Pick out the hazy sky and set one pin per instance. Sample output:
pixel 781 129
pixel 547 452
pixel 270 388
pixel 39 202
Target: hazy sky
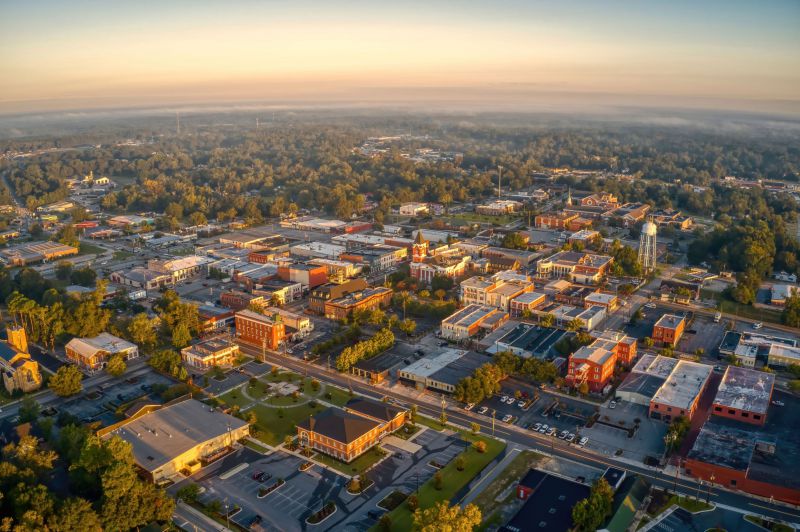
pixel 79 53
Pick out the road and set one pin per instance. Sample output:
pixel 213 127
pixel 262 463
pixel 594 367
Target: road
pixel 513 434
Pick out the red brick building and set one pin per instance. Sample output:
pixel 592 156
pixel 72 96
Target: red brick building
pixel 669 329
pixel 369 299
pixel 308 275
pixel 256 328
pixel 593 365
pixel 744 395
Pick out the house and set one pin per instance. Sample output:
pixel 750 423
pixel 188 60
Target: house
pixel 178 439
pixel 92 354
pixel 346 434
pixel 211 352
pixel 260 329
pixel 669 329
pixel 20 371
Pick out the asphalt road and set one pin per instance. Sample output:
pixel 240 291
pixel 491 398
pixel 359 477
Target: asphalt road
pixel 549 445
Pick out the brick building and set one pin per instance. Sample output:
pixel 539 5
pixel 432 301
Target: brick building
pixel 326 292
pixel 368 299
pixel 260 329
pixel 669 329
pixel 744 395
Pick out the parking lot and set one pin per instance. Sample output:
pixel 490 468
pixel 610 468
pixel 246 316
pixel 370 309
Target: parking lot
pixel 703 334
pixel 303 493
pixel 234 377
pixel 610 434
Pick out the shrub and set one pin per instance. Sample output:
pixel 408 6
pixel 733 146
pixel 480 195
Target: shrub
pixel 480 446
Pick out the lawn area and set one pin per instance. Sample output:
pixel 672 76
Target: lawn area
pixel 122 255
pixel 729 306
pixel 255 446
pixel 272 429
pixel 662 500
pixel 453 479
pixel 515 470
pixel 338 396
pixel 407 431
pixel 357 466
pixel 769 525
pixel 87 249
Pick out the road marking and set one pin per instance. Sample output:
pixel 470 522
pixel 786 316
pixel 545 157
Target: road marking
pixel 229 473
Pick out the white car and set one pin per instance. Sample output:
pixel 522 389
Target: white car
pixel 469 406
pixel 537 426
pixel 583 441
pixel 570 438
pixel 552 431
pixel 521 404
pixel 507 418
pixel 510 401
pixel 778 403
pixel 612 405
pixel 563 434
pixel 483 410
pixel 504 398
pixel 757 325
pixel 544 429
pixel 650 305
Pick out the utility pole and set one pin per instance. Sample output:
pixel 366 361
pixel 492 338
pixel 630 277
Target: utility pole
pixel 264 349
pixel 493 414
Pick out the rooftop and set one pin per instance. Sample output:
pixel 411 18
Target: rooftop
pixel 656 365
pixel 669 321
pixel 469 315
pixel 745 389
pixel 550 505
pixel 161 436
pixel 683 385
pixel 373 409
pixel 338 425
pixel 102 342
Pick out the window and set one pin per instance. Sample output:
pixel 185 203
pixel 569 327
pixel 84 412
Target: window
pixel 745 414
pixel 731 411
pixel 717 409
pixel 733 482
pixel 756 416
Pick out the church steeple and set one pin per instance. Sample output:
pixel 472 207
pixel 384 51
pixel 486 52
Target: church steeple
pixel 420 248
pixel 569 197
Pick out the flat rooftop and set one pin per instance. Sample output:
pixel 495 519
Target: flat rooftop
pixel 468 315
pixel 684 384
pixel 161 436
pixel 462 367
pixel 669 321
pixel 656 365
pixel 745 389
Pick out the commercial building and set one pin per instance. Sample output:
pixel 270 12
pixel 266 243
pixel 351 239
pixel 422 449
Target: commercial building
pixel 669 329
pixel 212 352
pixel 744 395
pixel 526 303
pixel 496 291
pixel 308 275
pixel 601 299
pixel 278 290
pixel 556 220
pixel 528 340
pixel 549 500
pixel 367 299
pixel 178 439
pixel 300 325
pixel 317 250
pixel 680 393
pixel 346 434
pixel 215 319
pixel 327 292
pixel 592 366
pixel 413 209
pixel 92 354
pixel 338 269
pixel 378 257
pixel 180 269
pixel 34 252
pixel 20 371
pixel 141 278
pixel 260 329
pixel 499 208
pixel 584 236
pixel 238 300
pixel 646 378
pixel 309 223
pixel 443 371
pixel 468 321
pixel 630 213
pixel 584 268
pixel 523 257
pixel 589 318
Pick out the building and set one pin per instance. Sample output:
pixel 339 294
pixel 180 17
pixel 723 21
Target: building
pixel 671 218
pixel 584 236
pixel 340 270
pixel 499 208
pixel 630 213
pixel 364 300
pixel 524 304
pixel 308 275
pixel 593 366
pixel 317 250
pixel 379 257
pixel 580 267
pixel 92 354
pixel 556 220
pixel 278 290
pixel 624 346
pixel 33 252
pixel 527 340
pixel 346 434
pixel 744 395
pixel 523 257
pixel 681 391
pixel 20 371
pixel 141 278
pixel 549 500
pixel 214 319
pixel 781 292
pixel 238 300
pixel 669 329
pixel 601 299
pixel 260 329
pixel 129 221
pixel 468 321
pixel 326 292
pixel 495 291
pixel 600 199
pixel 646 378
pixel 178 439
pixel 443 371
pixel 300 325
pixel 413 209
pixel 182 269
pixel 444 261
pixel 209 353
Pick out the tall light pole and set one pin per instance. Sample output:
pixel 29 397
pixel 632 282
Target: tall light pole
pixel 708 493
pixel 499 177
pixel 494 412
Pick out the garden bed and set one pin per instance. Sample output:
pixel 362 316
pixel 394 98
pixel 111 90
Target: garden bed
pixel 263 492
pixel 325 512
pixel 393 500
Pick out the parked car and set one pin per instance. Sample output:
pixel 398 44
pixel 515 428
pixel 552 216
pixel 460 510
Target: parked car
pixel 444 344
pixel 612 405
pixel 544 428
pixel 469 406
pixel 507 418
pixel 259 476
pixel 563 434
pixel 757 325
pixel 504 399
pixel 583 441
pixel 521 404
pixel 650 305
pixel 717 317
pixel 483 410
pixel 537 426
pixel 570 438
pixel 552 431
pixel 778 403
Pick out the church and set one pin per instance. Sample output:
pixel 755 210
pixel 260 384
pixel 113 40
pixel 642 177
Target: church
pixel 20 372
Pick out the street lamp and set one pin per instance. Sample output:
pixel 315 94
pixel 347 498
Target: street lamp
pixel 708 493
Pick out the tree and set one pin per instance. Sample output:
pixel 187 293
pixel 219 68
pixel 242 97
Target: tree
pixel 116 365
pixel 354 486
pixel 590 513
pixel 438 480
pixel 583 388
pixel 142 332
pixel 66 381
pixel 63 270
pixel 75 514
pixel 791 311
pixel 460 463
pixel 29 409
pixel 444 518
pixel 408 326
pixel 475 427
pixel 547 320
pixel 514 240
pixel 574 324
pixel 68 236
pixel 480 446
pixel 84 277
pixel 412 502
pixel 443 419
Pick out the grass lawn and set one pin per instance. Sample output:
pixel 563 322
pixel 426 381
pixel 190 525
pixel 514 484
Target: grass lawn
pixel 407 431
pixel 769 525
pixel 272 429
pixel 255 446
pixel 453 479
pixel 428 422
pixel 661 501
pixel 87 249
pixel 122 255
pixel 235 398
pixel 515 470
pixel 357 466
pixel 338 396
pixel 737 309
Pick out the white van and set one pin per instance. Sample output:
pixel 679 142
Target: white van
pixel 717 317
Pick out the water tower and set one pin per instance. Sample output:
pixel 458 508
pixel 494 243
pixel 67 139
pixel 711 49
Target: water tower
pixel 647 246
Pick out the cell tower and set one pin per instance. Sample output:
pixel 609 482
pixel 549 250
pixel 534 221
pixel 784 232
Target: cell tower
pixel 647 246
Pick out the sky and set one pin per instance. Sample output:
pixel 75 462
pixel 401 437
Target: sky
pixel 82 54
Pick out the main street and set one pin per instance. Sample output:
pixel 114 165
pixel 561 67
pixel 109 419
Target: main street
pixel 548 445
